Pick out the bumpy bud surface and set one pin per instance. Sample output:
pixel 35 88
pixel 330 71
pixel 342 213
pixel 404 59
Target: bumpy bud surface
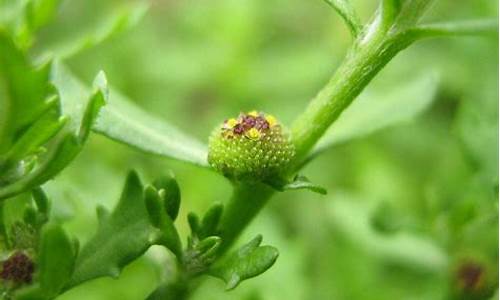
pixel 253 146
pixel 18 268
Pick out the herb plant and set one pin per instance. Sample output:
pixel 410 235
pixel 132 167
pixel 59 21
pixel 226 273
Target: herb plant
pixel 47 115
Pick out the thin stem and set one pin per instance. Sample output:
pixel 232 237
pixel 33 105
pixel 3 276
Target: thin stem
pixel 459 28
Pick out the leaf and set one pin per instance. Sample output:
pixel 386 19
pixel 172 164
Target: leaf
pixel 375 111
pixel 56 258
pixel 40 12
pixel 167 236
pixel 169 291
pixel 170 192
pixel 352 220
pixel 124 234
pixel 210 222
pixel 345 9
pixel 249 261
pixel 34 121
pixel 299 182
pixel 125 122
pixel 27 89
pixel 64 150
pixel 123 20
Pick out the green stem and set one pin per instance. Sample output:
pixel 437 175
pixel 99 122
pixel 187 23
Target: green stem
pixel 247 200
pixel 370 53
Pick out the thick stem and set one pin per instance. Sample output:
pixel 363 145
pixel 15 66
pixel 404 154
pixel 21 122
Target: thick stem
pixel 365 59
pixel 247 200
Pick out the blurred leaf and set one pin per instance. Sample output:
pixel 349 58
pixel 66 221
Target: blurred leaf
pixel 125 234
pixel 375 111
pixel 352 219
pixel 115 24
pixel 249 261
pixel 40 12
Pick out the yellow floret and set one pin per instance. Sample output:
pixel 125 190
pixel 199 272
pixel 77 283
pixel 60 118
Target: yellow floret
pixel 253 134
pixel 253 113
pixel 271 120
pixel 231 123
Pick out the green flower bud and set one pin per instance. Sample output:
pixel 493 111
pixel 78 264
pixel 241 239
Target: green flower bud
pixel 254 146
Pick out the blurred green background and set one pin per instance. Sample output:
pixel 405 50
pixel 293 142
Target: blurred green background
pixel 412 210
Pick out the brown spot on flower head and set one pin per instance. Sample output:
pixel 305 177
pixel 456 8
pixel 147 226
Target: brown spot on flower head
pixel 18 268
pixel 238 129
pixel 470 276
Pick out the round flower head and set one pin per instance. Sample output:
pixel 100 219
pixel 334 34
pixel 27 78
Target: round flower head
pixel 253 146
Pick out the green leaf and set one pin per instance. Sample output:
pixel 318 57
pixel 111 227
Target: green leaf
pixel 345 9
pixel 167 235
pixel 299 182
pixel 125 122
pixel 56 258
pixel 377 110
pixel 40 12
pixel 123 20
pixel 169 291
pixel 210 222
pixel 249 261
pixel 352 219
pixel 126 233
pixel 27 88
pixel 169 189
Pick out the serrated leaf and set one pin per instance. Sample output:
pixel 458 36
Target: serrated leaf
pixel 375 111
pixel 124 234
pixel 249 261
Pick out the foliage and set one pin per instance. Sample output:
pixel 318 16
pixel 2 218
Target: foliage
pixel 446 231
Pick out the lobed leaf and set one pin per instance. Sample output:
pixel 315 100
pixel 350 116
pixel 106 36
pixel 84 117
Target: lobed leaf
pixel 249 261
pixel 138 221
